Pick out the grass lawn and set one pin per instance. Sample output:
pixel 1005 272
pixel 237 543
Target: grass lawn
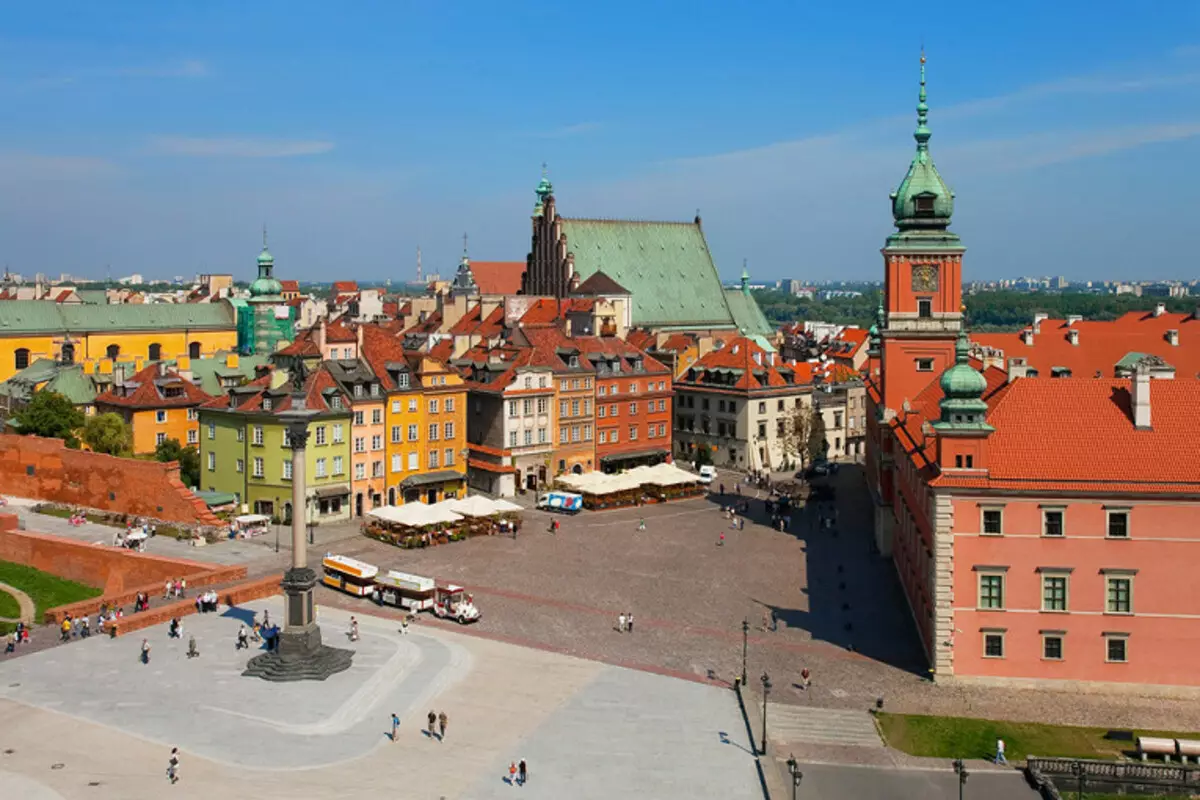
pixel 9 607
pixel 46 590
pixel 962 737
pixel 65 513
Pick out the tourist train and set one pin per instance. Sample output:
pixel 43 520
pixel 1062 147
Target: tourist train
pixel 399 589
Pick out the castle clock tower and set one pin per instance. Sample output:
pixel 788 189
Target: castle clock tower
pixel 922 278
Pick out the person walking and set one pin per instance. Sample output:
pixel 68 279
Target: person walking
pixel 621 623
pixel 404 625
pixel 512 773
pixel 628 624
pixel 353 629
pixel 432 722
pixel 167 589
pixel 641 524
pixel 395 726
pixel 722 489
pixel 442 720
pixel 1000 759
pixel 145 651
pixel 721 541
pixel 192 652
pixel 173 766
pixel 805 678
pixel 522 772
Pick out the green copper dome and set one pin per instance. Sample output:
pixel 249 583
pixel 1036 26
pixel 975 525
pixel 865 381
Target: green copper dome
pixel 923 200
pixel 265 284
pixel 962 381
pixel 265 257
pixel 544 189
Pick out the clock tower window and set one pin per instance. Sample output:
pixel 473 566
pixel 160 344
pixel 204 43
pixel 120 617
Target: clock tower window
pixel 923 205
pixel 924 307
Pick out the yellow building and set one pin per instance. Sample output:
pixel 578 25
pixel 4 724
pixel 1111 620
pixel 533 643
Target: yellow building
pixel 426 420
pixel 158 404
pixel 32 329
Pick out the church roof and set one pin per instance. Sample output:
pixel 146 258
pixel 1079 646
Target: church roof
pixel 748 317
pixel 599 283
pixel 665 266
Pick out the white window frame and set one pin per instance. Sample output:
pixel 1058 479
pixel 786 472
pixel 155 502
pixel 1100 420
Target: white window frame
pixel 1056 574
pixel 988 632
pixel 1062 644
pixel 983 531
pixel 256 436
pixel 212 461
pixel 1109 637
pixel 259 467
pixel 414 461
pixel 1108 515
pixel 1111 575
pixel 1062 524
pixel 990 572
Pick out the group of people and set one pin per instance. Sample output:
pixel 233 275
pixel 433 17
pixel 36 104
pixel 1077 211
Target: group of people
pixel 18 636
pixel 77 518
pixel 174 587
pixel 206 601
pixel 506 526
pixel 625 623
pixel 75 627
pixel 518 773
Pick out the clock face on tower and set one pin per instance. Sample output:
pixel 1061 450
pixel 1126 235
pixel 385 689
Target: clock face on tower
pixel 924 278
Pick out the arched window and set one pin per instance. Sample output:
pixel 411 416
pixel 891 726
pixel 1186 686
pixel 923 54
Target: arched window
pixel 155 352
pixel 194 350
pixel 21 356
pixel 68 353
pixel 112 351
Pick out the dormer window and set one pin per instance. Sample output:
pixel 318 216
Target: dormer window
pixel 358 390
pixel 336 402
pixel 268 404
pixel 924 205
pixel 374 390
pixel 574 361
pixel 402 380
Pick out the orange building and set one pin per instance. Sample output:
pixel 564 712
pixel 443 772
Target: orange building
pixel 634 394
pixel 159 404
pixel 1042 527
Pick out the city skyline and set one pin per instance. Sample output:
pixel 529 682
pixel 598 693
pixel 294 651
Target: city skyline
pixel 159 141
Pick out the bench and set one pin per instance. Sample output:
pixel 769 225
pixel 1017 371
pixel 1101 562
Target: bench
pixel 1188 748
pixel 1154 746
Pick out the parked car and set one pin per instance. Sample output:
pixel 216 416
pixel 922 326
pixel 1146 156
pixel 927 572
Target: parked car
pixel 707 473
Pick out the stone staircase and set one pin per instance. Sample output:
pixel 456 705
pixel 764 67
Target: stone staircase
pixel 828 726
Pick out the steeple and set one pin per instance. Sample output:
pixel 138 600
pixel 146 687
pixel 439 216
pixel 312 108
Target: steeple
pixel 544 189
pixel 464 279
pixel 923 201
pixel 962 404
pixel 874 335
pixel 745 278
pixel 265 285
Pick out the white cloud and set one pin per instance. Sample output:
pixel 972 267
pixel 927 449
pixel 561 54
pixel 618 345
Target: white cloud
pixel 238 147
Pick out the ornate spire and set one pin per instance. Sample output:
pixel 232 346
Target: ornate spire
pixel 745 278
pixel 922 133
pixel 963 386
pixel 544 189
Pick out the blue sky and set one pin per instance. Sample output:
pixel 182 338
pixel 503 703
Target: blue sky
pixel 158 137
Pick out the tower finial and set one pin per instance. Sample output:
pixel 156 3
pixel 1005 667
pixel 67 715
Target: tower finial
pixel 543 169
pixel 922 132
pixel 264 236
pixel 464 245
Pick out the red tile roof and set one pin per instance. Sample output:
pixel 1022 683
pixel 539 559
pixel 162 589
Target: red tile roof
pixel 678 342
pixel 319 385
pixel 641 338
pixel 337 332
pixel 290 286
pixel 498 277
pixel 753 366
pixel 147 389
pixel 430 325
pixel 345 287
pixel 1103 343
pixel 443 350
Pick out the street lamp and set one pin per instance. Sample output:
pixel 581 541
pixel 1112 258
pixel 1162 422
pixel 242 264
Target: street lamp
pixel 796 774
pixel 766 684
pixel 961 770
pixel 745 634
pixel 1077 771
pixel 277 518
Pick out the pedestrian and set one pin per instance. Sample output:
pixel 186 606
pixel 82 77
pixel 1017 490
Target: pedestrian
pixel 621 623
pixel 183 587
pixel 805 678
pixel 641 524
pixel 722 488
pixel 353 629
pixel 1000 759
pixel 167 589
pixel 145 651
pixel 512 773
pixel 173 765
pixel 404 625
pixel 737 488
pixel 766 626
pixel 395 726
pixel 442 719
pixel 522 772
pixel 66 629
pixel 192 652
pixel 721 541
pixel 243 638
pixel 629 622
pixel 432 722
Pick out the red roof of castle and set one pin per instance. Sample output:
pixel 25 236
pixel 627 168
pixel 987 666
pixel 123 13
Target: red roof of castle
pixel 754 364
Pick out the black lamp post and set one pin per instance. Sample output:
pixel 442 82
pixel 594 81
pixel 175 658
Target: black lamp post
pixel 1077 771
pixel 796 774
pixel 277 517
pixel 960 769
pixel 766 684
pixel 745 634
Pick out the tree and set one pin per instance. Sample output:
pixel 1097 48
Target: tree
pixel 108 433
pixel 51 415
pixel 703 455
pixel 188 458
pixel 817 445
pixel 797 433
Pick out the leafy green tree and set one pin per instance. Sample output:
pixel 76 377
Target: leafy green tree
pixel 108 433
pixel 51 415
pixel 188 458
pixel 703 455
pixel 817 445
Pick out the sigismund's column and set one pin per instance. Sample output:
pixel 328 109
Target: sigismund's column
pixel 299 655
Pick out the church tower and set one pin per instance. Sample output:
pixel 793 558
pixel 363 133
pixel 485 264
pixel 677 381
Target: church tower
pixel 266 301
pixel 922 278
pixel 549 268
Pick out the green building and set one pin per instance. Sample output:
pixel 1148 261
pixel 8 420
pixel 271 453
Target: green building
pixel 244 448
pixel 265 320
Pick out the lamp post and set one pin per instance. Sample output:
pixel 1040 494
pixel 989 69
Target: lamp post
pixel 797 775
pixel 766 685
pixel 1077 771
pixel 745 635
pixel 278 518
pixel 960 769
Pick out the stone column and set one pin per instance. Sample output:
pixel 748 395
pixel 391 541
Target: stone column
pixel 298 439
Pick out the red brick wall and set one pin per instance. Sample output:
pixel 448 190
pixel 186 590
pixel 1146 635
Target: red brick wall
pixel 115 570
pixel 92 480
pixel 233 596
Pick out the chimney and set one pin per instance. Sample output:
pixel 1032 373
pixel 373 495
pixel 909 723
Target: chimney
pixel 358 335
pixel 1017 368
pixel 1027 336
pixel 1073 336
pixel 1073 318
pixel 1173 337
pixel 1160 309
pixel 1038 316
pixel 231 360
pixel 320 336
pixel 1141 399
pixel 1196 313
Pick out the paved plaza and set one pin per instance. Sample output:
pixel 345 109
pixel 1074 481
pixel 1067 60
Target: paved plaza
pixel 89 720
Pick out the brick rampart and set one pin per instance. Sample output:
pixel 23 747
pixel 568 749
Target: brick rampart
pixel 197 581
pixel 233 596
pixel 45 469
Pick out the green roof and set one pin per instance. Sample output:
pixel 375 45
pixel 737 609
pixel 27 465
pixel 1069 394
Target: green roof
pixel 665 266
pixel 67 380
pixel 45 316
pixel 97 297
pixel 748 317
pixel 207 372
